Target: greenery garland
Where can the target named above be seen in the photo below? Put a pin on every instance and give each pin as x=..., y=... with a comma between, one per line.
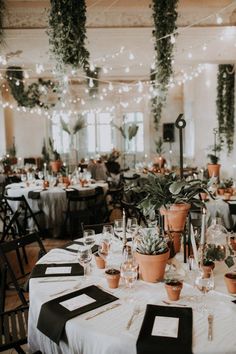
x=67, y=33
x=2, y=10
x=165, y=16
x=31, y=96
x=225, y=103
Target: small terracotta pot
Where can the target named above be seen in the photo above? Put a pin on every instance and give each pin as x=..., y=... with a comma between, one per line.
x=113, y=278
x=55, y=165
x=100, y=262
x=207, y=267
x=227, y=196
x=213, y=169
x=221, y=191
x=173, y=289
x=230, y=281
x=233, y=242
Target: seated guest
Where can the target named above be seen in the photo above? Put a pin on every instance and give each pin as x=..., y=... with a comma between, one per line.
x=100, y=170
x=91, y=168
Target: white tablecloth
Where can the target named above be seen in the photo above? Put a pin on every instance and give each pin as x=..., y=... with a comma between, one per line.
x=52, y=202
x=107, y=333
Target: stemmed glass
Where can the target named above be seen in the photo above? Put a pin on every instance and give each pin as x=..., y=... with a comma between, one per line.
x=204, y=282
x=40, y=175
x=84, y=256
x=23, y=177
x=103, y=248
x=89, y=238
x=131, y=225
x=129, y=272
x=118, y=228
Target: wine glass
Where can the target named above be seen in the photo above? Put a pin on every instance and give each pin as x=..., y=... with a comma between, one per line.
x=23, y=177
x=118, y=228
x=204, y=282
x=131, y=227
x=103, y=248
x=129, y=273
x=89, y=238
x=84, y=256
x=108, y=231
x=40, y=175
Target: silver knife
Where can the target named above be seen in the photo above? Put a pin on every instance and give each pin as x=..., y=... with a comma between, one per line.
x=104, y=310
x=210, y=324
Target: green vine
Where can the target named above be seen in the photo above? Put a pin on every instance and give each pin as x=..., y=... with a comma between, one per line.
x=31, y=96
x=67, y=33
x=165, y=16
x=225, y=103
x=2, y=11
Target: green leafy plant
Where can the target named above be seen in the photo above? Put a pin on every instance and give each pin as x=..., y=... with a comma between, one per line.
x=150, y=243
x=225, y=103
x=164, y=190
x=67, y=33
x=30, y=96
x=216, y=148
x=128, y=131
x=53, y=153
x=159, y=146
x=45, y=152
x=164, y=16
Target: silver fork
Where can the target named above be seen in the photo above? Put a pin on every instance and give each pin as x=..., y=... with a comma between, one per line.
x=210, y=324
x=135, y=313
x=63, y=291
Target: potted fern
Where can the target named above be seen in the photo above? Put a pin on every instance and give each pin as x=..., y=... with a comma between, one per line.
x=152, y=254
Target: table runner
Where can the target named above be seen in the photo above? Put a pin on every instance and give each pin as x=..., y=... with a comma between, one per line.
x=150, y=344
x=53, y=316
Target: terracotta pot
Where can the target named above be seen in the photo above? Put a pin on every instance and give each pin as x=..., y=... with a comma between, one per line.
x=227, y=196
x=230, y=281
x=233, y=242
x=100, y=262
x=207, y=267
x=45, y=184
x=55, y=165
x=175, y=216
x=213, y=169
x=220, y=191
x=152, y=267
x=113, y=278
x=173, y=289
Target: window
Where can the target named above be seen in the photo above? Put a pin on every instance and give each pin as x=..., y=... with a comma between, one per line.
x=99, y=132
x=61, y=139
x=136, y=144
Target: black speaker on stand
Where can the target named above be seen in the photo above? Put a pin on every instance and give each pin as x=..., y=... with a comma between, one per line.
x=169, y=132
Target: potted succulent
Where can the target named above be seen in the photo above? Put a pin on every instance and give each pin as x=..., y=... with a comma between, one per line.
x=173, y=288
x=113, y=277
x=221, y=188
x=230, y=281
x=152, y=254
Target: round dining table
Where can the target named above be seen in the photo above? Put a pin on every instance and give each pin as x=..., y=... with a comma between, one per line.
x=105, y=330
x=52, y=200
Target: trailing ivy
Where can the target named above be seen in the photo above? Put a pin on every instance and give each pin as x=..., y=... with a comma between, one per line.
x=2, y=11
x=225, y=103
x=165, y=16
x=67, y=33
x=31, y=96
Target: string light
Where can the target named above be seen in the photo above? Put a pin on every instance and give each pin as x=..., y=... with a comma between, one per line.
x=219, y=19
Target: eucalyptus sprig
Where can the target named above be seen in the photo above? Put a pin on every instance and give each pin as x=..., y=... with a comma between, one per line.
x=79, y=124
x=225, y=103
x=164, y=16
x=67, y=33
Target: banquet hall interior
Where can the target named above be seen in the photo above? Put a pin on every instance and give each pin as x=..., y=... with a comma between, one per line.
x=111, y=112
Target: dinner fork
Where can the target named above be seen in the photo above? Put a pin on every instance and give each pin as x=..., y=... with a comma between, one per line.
x=135, y=313
x=210, y=323
x=65, y=290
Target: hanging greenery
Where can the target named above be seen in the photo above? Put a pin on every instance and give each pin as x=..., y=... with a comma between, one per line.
x=2, y=11
x=225, y=103
x=32, y=96
x=165, y=16
x=67, y=33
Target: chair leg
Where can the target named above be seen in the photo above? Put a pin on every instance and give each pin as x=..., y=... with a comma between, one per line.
x=19, y=349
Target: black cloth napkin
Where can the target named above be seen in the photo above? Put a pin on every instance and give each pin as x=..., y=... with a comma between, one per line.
x=53, y=316
x=148, y=344
x=34, y=195
x=40, y=269
x=94, y=248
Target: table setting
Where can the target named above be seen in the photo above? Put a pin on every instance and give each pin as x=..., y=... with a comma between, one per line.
x=133, y=317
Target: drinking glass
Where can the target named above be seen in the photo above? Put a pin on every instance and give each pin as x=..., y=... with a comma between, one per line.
x=131, y=225
x=118, y=228
x=129, y=272
x=108, y=231
x=23, y=177
x=40, y=175
x=84, y=256
x=204, y=282
x=89, y=238
x=103, y=248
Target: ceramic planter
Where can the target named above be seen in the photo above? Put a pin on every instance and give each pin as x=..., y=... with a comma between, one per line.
x=113, y=278
x=173, y=289
x=230, y=281
x=213, y=170
x=152, y=267
x=100, y=262
x=233, y=242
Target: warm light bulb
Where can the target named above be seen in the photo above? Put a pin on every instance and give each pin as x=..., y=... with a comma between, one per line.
x=219, y=20
x=91, y=83
x=172, y=39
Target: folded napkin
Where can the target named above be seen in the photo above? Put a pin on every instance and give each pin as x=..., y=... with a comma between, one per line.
x=73, y=247
x=58, y=255
x=53, y=315
x=49, y=270
x=34, y=195
x=151, y=343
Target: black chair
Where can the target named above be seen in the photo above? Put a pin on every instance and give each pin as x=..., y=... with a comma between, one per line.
x=13, y=323
x=11, y=276
x=96, y=227
x=80, y=208
x=132, y=211
x=17, y=222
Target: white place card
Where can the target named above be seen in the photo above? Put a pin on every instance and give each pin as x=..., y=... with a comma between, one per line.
x=74, y=247
x=77, y=302
x=58, y=270
x=165, y=326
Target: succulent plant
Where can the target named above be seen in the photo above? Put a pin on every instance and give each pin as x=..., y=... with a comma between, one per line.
x=151, y=243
